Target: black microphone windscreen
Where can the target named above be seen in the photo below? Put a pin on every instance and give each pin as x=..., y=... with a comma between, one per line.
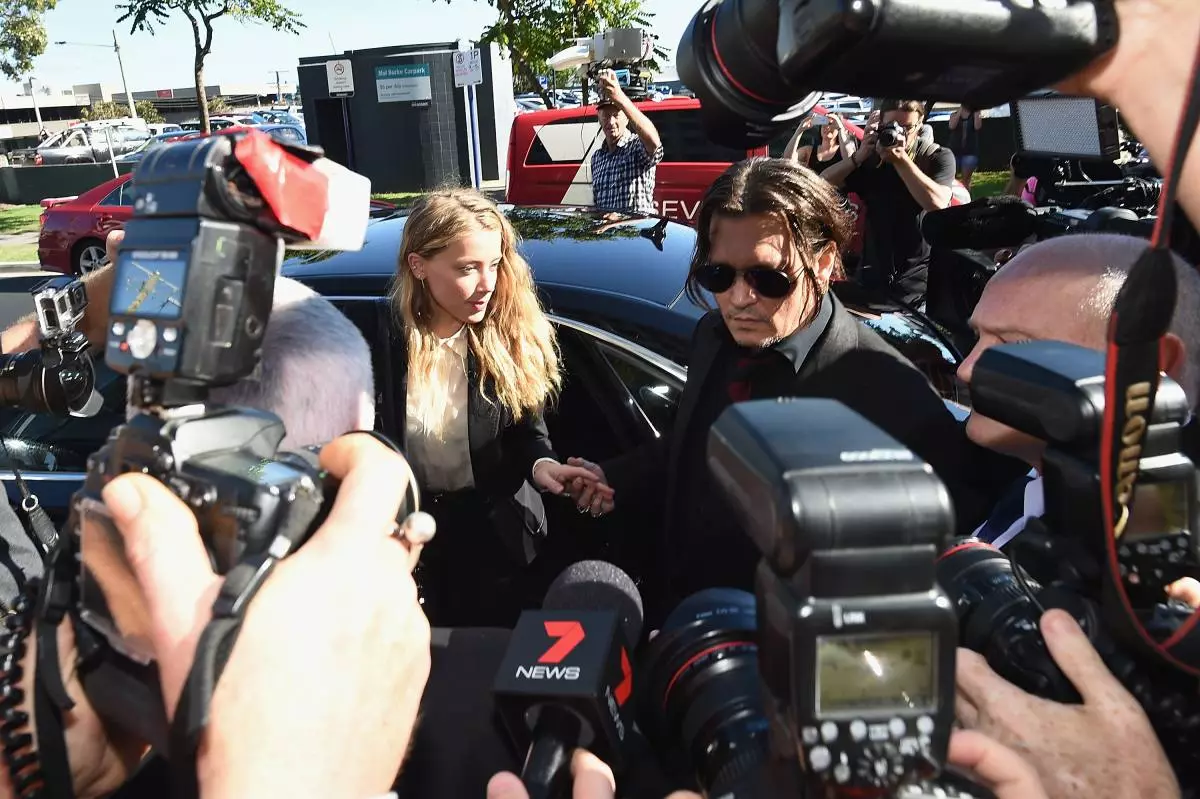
x=986, y=224
x=598, y=585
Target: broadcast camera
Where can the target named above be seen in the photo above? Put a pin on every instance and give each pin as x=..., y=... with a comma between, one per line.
x=58, y=377
x=192, y=292
x=622, y=50
x=846, y=654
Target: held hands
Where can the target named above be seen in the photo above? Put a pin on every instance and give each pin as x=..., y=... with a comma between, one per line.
x=592, y=494
x=315, y=700
x=1071, y=746
x=570, y=478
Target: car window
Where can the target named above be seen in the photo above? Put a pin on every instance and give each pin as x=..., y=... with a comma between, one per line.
x=683, y=138
x=76, y=139
x=119, y=196
x=654, y=392
x=287, y=134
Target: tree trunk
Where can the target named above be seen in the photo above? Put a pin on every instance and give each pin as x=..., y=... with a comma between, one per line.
x=202, y=98
x=532, y=78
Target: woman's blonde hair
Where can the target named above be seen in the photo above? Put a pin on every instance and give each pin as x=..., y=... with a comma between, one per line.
x=514, y=345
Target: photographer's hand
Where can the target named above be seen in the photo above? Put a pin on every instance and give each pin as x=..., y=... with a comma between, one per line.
x=321, y=692
x=998, y=768
x=1102, y=748
x=591, y=779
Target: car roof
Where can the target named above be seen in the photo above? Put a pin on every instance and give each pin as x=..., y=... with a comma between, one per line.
x=564, y=246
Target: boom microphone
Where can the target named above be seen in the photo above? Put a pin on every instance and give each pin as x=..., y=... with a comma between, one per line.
x=986, y=224
x=566, y=679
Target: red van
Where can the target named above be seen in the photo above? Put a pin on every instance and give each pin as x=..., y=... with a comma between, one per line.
x=550, y=156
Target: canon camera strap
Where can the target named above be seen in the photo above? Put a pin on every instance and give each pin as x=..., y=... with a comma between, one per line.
x=1141, y=317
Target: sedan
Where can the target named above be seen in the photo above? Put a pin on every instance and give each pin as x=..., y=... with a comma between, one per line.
x=614, y=290
x=73, y=229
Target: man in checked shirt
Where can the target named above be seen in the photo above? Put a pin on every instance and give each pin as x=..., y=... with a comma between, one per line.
x=623, y=167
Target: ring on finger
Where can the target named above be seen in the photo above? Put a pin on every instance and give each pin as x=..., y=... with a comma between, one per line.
x=417, y=529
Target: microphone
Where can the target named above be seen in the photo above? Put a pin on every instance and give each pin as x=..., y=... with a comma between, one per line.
x=986, y=224
x=566, y=679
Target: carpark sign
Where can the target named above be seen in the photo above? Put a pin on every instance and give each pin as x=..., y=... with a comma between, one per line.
x=468, y=68
x=340, y=75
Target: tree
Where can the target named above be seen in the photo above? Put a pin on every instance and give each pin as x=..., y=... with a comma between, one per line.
x=106, y=109
x=201, y=14
x=218, y=105
x=22, y=35
x=532, y=31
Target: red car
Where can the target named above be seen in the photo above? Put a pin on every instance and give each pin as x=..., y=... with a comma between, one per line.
x=74, y=228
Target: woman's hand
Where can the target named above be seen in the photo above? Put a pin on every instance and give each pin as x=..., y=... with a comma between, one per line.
x=558, y=478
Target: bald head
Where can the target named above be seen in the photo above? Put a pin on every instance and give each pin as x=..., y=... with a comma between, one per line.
x=1063, y=289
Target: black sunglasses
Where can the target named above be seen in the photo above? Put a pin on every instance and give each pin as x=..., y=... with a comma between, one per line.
x=770, y=283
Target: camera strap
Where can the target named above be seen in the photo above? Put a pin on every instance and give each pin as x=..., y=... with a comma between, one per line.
x=241, y=584
x=1141, y=317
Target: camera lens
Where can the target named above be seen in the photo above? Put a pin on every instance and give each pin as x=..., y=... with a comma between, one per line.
x=891, y=135
x=999, y=607
x=728, y=57
x=702, y=695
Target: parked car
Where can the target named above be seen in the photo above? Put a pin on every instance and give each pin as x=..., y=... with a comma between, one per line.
x=87, y=144
x=73, y=229
x=214, y=123
x=613, y=289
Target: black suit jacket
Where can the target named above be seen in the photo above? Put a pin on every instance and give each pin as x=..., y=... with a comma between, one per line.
x=503, y=451
x=849, y=363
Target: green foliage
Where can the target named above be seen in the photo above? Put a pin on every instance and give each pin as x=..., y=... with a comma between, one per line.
x=218, y=105
x=107, y=109
x=144, y=15
x=148, y=111
x=532, y=31
x=22, y=35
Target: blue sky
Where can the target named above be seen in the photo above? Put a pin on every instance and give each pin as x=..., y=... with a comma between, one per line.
x=248, y=53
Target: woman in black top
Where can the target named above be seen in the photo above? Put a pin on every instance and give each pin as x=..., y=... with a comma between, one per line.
x=480, y=362
x=822, y=146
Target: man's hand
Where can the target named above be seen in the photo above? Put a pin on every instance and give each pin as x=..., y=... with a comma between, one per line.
x=555, y=477
x=591, y=779
x=112, y=242
x=321, y=692
x=892, y=155
x=609, y=87
x=996, y=767
x=1103, y=748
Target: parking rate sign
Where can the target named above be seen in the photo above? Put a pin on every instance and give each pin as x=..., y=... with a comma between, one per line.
x=468, y=68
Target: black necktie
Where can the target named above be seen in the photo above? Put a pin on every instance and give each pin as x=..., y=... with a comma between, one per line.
x=751, y=367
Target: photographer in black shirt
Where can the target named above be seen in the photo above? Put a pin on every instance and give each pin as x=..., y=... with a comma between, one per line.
x=899, y=177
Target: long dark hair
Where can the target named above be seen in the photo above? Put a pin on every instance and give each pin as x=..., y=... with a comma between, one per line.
x=814, y=212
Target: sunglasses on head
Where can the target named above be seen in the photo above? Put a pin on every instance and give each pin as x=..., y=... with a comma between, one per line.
x=770, y=283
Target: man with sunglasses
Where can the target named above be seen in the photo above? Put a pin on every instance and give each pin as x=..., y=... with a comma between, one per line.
x=897, y=185
x=769, y=240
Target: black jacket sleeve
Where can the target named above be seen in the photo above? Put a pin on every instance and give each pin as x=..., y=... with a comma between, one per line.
x=525, y=442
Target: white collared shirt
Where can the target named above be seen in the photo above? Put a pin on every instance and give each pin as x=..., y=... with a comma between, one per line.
x=436, y=434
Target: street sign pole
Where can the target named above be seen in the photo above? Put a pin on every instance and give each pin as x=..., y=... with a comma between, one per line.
x=468, y=73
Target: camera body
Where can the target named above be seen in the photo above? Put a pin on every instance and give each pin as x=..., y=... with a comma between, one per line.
x=892, y=135
x=58, y=377
x=623, y=50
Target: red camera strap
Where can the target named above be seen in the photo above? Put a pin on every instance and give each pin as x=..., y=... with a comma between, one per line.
x=1141, y=317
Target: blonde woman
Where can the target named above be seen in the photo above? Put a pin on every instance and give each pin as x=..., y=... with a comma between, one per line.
x=481, y=362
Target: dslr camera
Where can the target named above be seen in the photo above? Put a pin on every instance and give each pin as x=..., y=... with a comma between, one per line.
x=845, y=655
x=1054, y=392
x=891, y=135
x=192, y=294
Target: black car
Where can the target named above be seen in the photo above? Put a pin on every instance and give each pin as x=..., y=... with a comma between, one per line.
x=613, y=288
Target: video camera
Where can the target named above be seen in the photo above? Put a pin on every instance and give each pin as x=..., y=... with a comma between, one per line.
x=623, y=50
x=58, y=377
x=192, y=294
x=846, y=654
